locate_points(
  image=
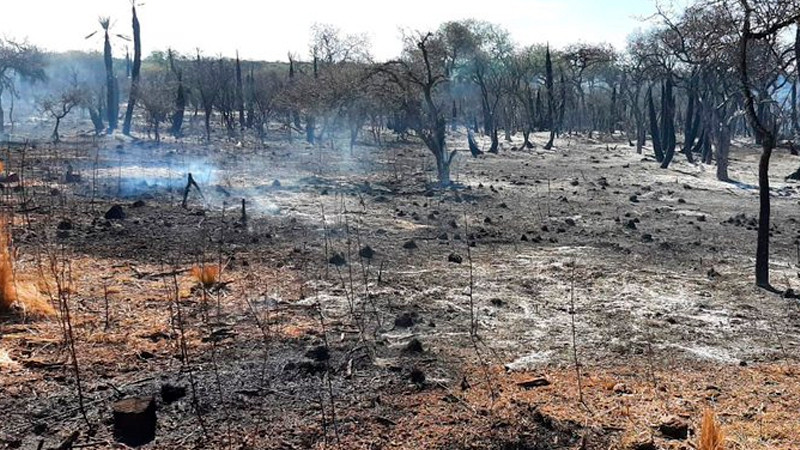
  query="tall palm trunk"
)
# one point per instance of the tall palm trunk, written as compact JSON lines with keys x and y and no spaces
{"x":112,"y":106}
{"x":137,"y":66}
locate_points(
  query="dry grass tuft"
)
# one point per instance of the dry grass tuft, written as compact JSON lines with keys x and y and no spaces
{"x":8,"y":293}
{"x":206,"y":275}
{"x":14,"y":292}
{"x":711,"y":435}
{"x":31,"y":300}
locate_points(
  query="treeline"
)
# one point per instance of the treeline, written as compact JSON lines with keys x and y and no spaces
{"x":676,"y":85}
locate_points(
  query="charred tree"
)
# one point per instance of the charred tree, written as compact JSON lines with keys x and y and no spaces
{"x":311,"y":120}
{"x":240,"y":93}
{"x":112,"y":96}
{"x":692,"y":121}
{"x":550,"y":85}
{"x":473,"y":146}
{"x":180,"y":98}
{"x":419,"y":83}
{"x":454,"y":117}
{"x":764,"y":133}
{"x":655,"y":132}
{"x":251,"y":93}
{"x":562,"y":104}
{"x":137,"y":66}
{"x":668,"y":122}
{"x":795,"y":124}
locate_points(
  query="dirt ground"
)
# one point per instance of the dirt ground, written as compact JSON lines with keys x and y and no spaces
{"x":588,"y":252}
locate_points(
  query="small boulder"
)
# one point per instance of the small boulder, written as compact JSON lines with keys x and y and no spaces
{"x":115,"y":213}
{"x":414,"y":346}
{"x":405,"y":320}
{"x":417,"y":376}
{"x":455,"y":258}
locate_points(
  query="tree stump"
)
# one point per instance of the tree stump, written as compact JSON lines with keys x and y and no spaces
{"x":135,"y":420}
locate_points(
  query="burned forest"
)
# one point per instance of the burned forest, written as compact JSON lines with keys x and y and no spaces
{"x":477,"y":241}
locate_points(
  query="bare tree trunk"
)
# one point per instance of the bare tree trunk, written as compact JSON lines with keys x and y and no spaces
{"x":112,"y":100}
{"x":795,"y":124}
{"x":11,"y":115}
{"x":137,"y":66}
{"x":655,"y":133}
{"x":310,"y":129}
{"x":495,"y":141}
{"x":55,"y":136}
{"x":527,"y":136}
{"x":550,"y":85}
{"x":762,"y":249}
{"x":207,"y":121}
{"x":240,"y":92}
{"x":668,"y":123}
{"x":722,"y":152}
{"x":768,"y":140}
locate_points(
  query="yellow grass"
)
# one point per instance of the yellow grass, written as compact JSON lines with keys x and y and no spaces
{"x":14,"y":291}
{"x":711,"y":436}
{"x":206,"y":275}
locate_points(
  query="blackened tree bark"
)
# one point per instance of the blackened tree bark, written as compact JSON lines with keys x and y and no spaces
{"x":550,"y":86}
{"x":112,"y":97}
{"x":424,"y":116}
{"x":668,"y":122}
{"x":311,"y":120}
{"x":180,"y":98}
{"x":795,"y":123}
{"x":137,"y":66}
{"x":655,"y":133}
{"x":763,"y":133}
{"x":691,"y":125}
{"x":240,"y":92}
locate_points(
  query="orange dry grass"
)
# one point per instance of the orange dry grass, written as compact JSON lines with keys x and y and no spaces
{"x":24,"y":294}
{"x":711,"y":436}
{"x":206,"y":275}
{"x":8,"y":294}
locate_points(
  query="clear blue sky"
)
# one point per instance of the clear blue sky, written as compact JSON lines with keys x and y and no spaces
{"x":269,"y":29}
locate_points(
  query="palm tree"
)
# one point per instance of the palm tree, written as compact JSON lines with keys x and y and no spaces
{"x":137,"y":65}
{"x":112,"y":89}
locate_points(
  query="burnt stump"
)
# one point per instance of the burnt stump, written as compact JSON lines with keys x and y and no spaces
{"x":135,"y":420}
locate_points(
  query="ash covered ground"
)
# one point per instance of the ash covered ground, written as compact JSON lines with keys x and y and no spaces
{"x":362,"y":307}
